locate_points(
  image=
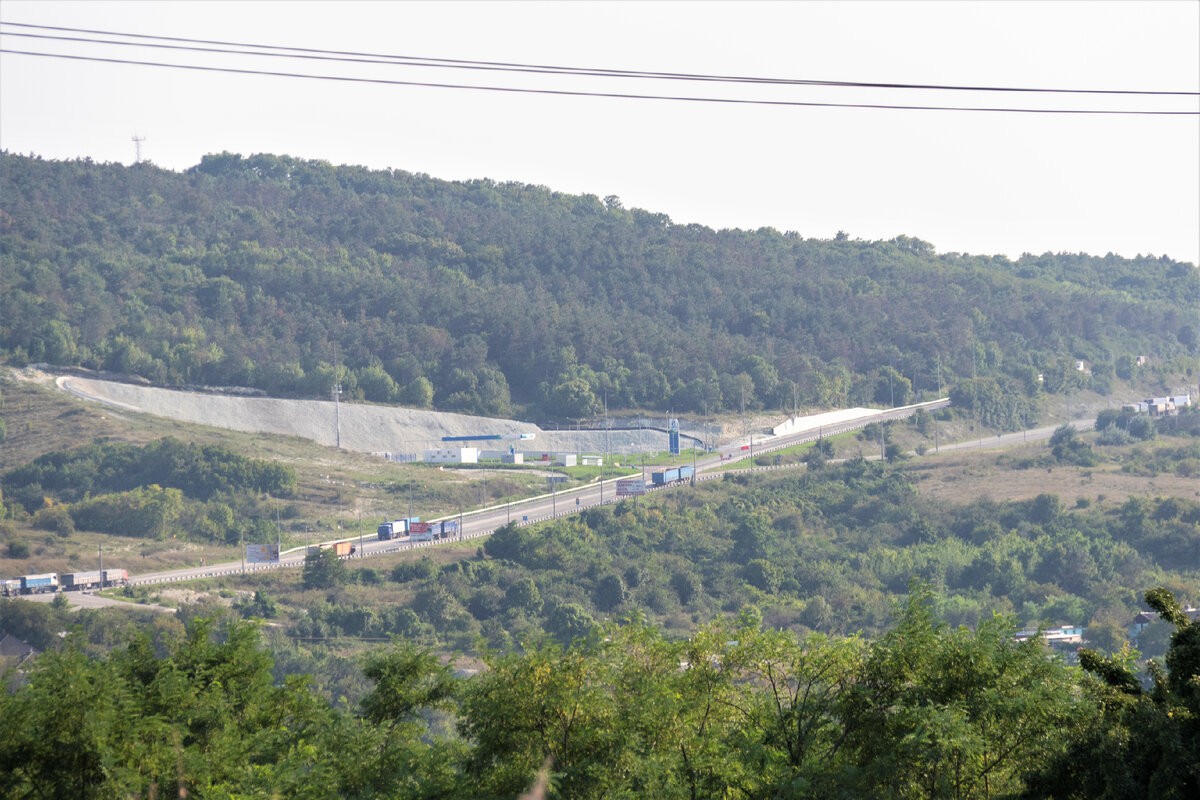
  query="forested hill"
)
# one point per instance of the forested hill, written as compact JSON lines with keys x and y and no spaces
{"x":274,"y":272}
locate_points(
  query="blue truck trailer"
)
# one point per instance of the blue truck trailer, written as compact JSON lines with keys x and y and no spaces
{"x":395,"y":529}
{"x":663,"y":477}
{"x":37,"y":584}
{"x":672,"y":475}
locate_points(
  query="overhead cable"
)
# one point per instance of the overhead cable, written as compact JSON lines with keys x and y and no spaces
{"x":423,"y":61}
{"x":615,"y":95}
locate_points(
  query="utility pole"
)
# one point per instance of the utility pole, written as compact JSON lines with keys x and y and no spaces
{"x":361,"y":553}
{"x":137,"y":148}
{"x":337,"y":413}
{"x":102,"y":567}
{"x":975,"y":395}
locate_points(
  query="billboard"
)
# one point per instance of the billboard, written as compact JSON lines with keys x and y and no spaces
{"x":262,"y":553}
{"x":631,"y":487}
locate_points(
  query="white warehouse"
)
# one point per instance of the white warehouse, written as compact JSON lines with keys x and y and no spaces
{"x":452,"y":455}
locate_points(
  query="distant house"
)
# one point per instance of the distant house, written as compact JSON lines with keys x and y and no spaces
{"x":1160,"y":406}
{"x":14,"y":648}
{"x":1055,"y":637}
{"x":1144,"y":618}
{"x":14,"y":653}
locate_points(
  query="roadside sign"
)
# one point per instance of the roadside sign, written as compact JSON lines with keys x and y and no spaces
{"x":631,"y":487}
{"x":262,"y":553}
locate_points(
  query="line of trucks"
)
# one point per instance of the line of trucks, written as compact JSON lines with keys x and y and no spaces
{"x":412,"y":527}
{"x":417,"y":531}
{"x":673,"y":475}
{"x":67,"y":582}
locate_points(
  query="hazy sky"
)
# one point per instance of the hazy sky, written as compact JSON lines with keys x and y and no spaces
{"x":973,"y":182}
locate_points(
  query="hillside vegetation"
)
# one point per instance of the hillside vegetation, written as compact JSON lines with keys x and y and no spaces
{"x":925,"y":710}
{"x":289,"y":275}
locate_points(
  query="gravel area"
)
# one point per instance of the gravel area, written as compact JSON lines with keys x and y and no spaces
{"x":364,"y":428}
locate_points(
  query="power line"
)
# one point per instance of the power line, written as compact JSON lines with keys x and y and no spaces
{"x":578,"y":93}
{"x":423,"y":61}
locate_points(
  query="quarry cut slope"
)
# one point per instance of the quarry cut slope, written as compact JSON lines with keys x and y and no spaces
{"x":364,"y":428}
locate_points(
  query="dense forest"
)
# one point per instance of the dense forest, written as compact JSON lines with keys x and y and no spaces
{"x":289,"y":275}
{"x":925,"y":710}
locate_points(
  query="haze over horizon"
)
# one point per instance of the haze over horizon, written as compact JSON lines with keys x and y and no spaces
{"x":976,"y":182}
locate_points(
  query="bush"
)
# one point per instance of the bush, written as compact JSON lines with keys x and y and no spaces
{"x":323,"y":570}
{"x":54,"y":518}
{"x":421,"y":570}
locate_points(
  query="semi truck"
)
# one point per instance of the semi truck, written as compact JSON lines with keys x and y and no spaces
{"x":395,"y":529}
{"x":339,"y":548}
{"x":672,"y":475}
{"x":72,"y":581}
{"x":432,"y":531}
{"x":37,"y":584}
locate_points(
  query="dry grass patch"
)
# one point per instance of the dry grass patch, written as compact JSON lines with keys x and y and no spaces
{"x":963,"y":478}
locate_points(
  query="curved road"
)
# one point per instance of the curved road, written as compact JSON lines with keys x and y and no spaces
{"x":483,"y":522}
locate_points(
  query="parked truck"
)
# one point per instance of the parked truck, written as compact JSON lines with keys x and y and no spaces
{"x":37,"y":584}
{"x":78,"y":581}
{"x":116,"y":577}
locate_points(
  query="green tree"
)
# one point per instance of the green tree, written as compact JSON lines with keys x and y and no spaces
{"x":323,"y":569}
{"x":1143,"y":744}
{"x":418,"y":393}
{"x":1067,"y":447}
